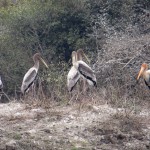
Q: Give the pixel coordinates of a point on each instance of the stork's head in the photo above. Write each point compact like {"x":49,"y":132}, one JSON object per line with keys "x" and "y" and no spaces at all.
{"x":144,"y":67}
{"x":37,"y":57}
{"x":80,"y":54}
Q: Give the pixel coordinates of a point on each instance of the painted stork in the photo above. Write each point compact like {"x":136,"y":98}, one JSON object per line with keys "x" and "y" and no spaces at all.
{"x":73,"y":75}
{"x":83,"y":81}
{"x":1,"y":84}
{"x":79,"y":69}
{"x":145,"y":73}
{"x":31,"y":74}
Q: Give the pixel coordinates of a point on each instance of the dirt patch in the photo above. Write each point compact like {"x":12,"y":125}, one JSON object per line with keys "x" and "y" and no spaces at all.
{"x":70,"y":128}
{"x":122,"y":132}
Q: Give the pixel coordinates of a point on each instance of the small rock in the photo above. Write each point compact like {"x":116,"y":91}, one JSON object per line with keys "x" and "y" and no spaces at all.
{"x":47,"y":130}
{"x":11,"y":145}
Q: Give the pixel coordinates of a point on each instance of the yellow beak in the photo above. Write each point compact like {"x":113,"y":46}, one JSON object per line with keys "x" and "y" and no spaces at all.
{"x":140,"y":73}
{"x":44,"y":62}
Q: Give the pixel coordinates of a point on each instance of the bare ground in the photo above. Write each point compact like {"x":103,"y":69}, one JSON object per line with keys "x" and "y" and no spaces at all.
{"x":90,"y":127}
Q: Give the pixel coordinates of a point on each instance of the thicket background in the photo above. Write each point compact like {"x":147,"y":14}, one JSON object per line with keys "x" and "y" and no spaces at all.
{"x":115,"y":34}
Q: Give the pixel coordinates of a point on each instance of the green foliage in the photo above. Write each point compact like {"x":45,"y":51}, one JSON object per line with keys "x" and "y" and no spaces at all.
{"x":117,"y":12}
{"x":6,"y":3}
{"x":49,"y":26}
{"x":56,"y":81}
{"x":55,"y":28}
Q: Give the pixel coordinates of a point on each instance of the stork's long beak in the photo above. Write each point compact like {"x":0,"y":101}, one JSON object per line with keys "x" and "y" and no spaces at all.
{"x":86,"y":58}
{"x":140,"y":73}
{"x":44,"y":62}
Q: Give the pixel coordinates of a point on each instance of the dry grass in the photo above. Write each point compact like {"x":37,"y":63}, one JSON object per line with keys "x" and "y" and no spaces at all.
{"x":85,"y":125}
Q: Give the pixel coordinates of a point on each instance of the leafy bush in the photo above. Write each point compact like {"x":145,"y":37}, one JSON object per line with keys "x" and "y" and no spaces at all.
{"x":54,"y":28}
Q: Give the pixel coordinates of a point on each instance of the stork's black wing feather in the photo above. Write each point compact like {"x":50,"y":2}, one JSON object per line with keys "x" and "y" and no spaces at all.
{"x":87,"y":72}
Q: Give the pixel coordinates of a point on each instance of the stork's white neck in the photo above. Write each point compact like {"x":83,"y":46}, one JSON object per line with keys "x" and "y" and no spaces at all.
{"x":79,"y":56}
{"x":74,"y":59}
{"x":36,"y":64}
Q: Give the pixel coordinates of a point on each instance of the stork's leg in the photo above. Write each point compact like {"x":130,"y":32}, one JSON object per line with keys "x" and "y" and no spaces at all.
{"x":1,"y":96}
{"x":33,"y":90}
{"x":3,"y":93}
{"x":71,"y":97}
{"x":78,"y":90}
{"x":6,"y":96}
{"x":84,"y":85}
